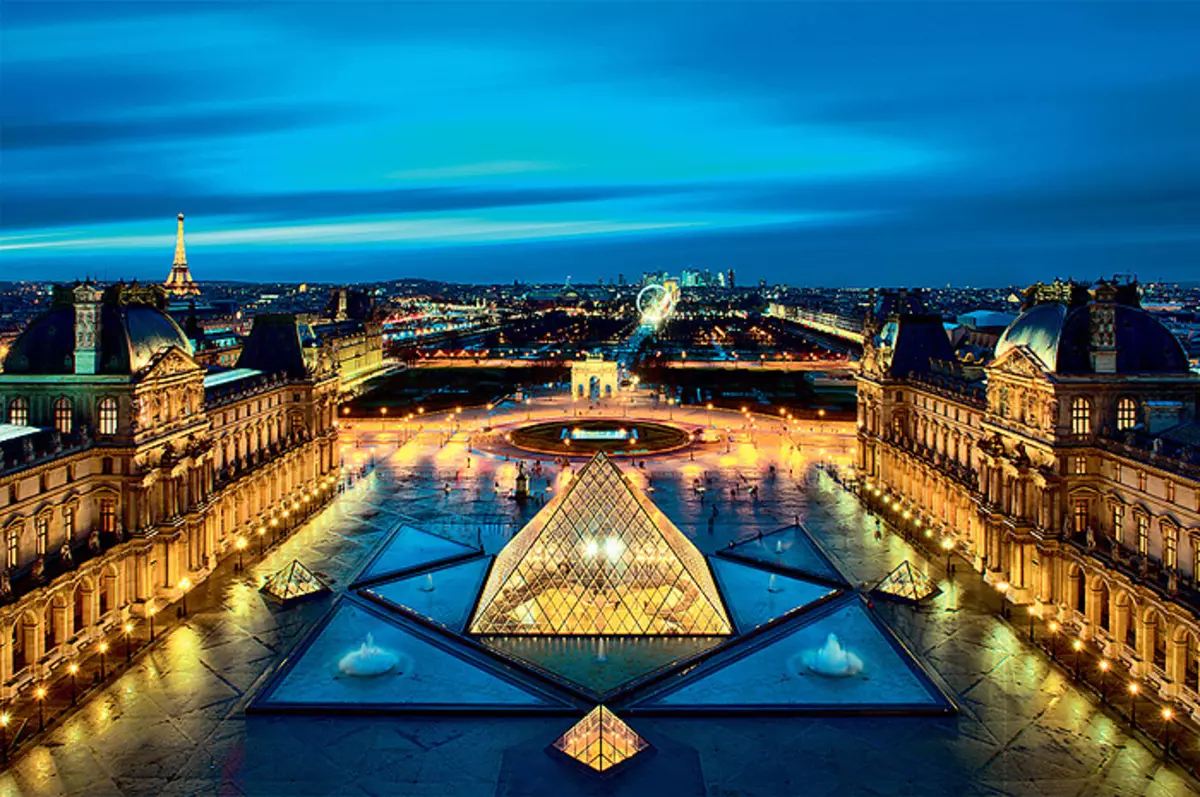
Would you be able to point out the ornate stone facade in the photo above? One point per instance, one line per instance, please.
(117, 490)
(1068, 473)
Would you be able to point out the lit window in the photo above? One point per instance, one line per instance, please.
(1143, 534)
(14, 539)
(1080, 465)
(1126, 414)
(1170, 547)
(108, 416)
(69, 523)
(18, 411)
(1081, 416)
(63, 416)
(1118, 521)
(108, 515)
(41, 526)
(1081, 516)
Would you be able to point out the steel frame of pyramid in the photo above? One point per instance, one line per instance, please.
(600, 559)
(293, 581)
(906, 582)
(601, 740)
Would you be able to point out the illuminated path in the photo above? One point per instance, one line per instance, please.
(175, 724)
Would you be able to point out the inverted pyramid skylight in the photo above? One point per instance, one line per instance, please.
(600, 740)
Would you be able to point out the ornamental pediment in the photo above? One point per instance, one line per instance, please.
(1020, 362)
(169, 362)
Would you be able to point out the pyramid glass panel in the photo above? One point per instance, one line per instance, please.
(600, 740)
(600, 559)
(907, 582)
(292, 581)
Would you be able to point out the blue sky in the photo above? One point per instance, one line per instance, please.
(810, 143)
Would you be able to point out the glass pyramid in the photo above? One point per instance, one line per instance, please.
(907, 582)
(600, 559)
(292, 581)
(601, 740)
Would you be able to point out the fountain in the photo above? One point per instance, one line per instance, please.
(832, 659)
(779, 546)
(428, 585)
(772, 586)
(368, 661)
(601, 653)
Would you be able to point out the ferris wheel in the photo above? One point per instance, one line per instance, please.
(654, 303)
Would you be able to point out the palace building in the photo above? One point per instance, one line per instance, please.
(1066, 467)
(127, 469)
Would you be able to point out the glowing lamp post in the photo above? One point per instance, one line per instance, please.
(4, 720)
(1032, 616)
(74, 670)
(184, 585)
(241, 546)
(261, 531)
(1077, 646)
(710, 421)
(150, 611)
(103, 652)
(1133, 693)
(1053, 639)
(1002, 588)
(1104, 668)
(40, 694)
(1167, 715)
(128, 647)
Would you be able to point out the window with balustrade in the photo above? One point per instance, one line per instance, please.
(1118, 522)
(1127, 415)
(108, 515)
(108, 416)
(1170, 546)
(1081, 416)
(18, 411)
(1143, 534)
(64, 415)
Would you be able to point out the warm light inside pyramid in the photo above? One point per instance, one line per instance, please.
(600, 740)
(600, 559)
(293, 581)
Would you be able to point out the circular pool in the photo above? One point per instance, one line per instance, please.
(582, 438)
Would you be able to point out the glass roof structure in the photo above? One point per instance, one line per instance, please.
(601, 740)
(600, 559)
(294, 580)
(907, 582)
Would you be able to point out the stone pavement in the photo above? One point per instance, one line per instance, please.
(175, 722)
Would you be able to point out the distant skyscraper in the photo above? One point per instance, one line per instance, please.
(179, 281)
(732, 282)
(620, 279)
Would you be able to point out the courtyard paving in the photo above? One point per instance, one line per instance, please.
(175, 723)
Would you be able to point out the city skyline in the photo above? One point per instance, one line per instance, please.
(801, 144)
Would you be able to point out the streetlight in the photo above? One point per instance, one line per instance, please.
(1077, 645)
(185, 584)
(128, 652)
(40, 694)
(103, 650)
(1133, 691)
(260, 531)
(1053, 639)
(1104, 667)
(710, 423)
(1167, 715)
(1032, 616)
(74, 670)
(241, 546)
(1002, 588)
(4, 720)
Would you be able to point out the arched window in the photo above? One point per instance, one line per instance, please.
(1127, 415)
(1081, 416)
(108, 416)
(63, 415)
(18, 411)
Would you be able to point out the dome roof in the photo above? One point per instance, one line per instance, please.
(130, 335)
(1060, 337)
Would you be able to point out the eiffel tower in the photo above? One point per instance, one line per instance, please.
(179, 281)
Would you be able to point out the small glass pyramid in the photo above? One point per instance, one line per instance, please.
(907, 582)
(601, 740)
(293, 581)
(600, 559)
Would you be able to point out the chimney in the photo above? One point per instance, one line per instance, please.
(87, 328)
(1102, 314)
